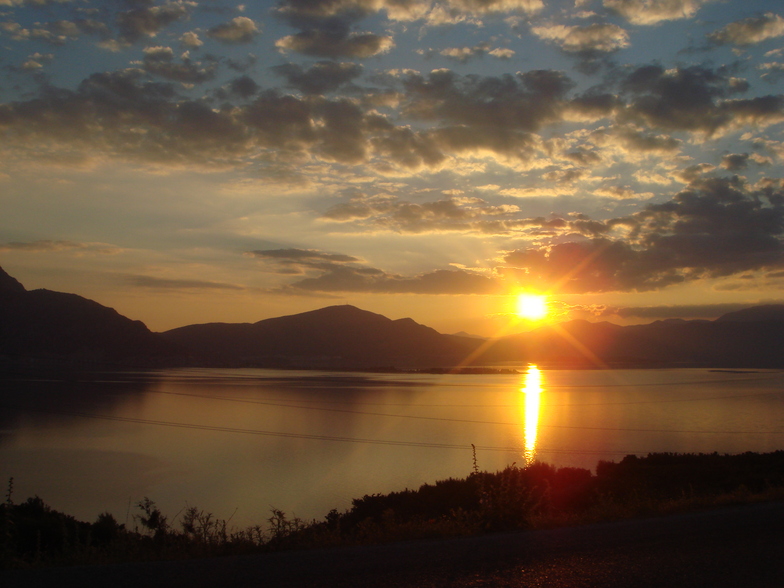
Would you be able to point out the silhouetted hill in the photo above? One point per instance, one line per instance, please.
(54, 327)
(751, 338)
(336, 336)
(9, 285)
(65, 329)
(767, 312)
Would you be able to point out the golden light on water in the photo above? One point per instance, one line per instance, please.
(532, 391)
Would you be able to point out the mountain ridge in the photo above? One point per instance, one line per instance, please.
(65, 329)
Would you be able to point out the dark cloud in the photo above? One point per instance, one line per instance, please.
(405, 148)
(640, 142)
(683, 99)
(442, 116)
(57, 32)
(498, 114)
(147, 21)
(318, 43)
(678, 311)
(320, 78)
(345, 279)
(523, 102)
(694, 99)
(326, 29)
(582, 156)
(332, 273)
(175, 284)
(47, 246)
(716, 227)
(121, 115)
(735, 161)
(303, 256)
(324, 14)
(244, 87)
(160, 61)
(445, 215)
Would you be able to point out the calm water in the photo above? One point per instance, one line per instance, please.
(238, 442)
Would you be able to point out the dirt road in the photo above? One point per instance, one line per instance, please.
(731, 547)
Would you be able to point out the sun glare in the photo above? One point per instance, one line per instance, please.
(531, 307)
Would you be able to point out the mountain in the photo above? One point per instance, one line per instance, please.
(42, 326)
(767, 312)
(751, 338)
(336, 336)
(53, 328)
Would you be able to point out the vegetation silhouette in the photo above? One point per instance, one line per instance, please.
(537, 495)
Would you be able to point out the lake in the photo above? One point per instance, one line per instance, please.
(239, 442)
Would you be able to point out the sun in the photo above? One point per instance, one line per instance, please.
(532, 307)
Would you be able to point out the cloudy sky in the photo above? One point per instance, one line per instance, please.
(195, 161)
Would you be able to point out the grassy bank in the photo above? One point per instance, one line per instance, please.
(536, 496)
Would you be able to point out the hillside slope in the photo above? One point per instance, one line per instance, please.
(66, 329)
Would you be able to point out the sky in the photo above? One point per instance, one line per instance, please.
(209, 161)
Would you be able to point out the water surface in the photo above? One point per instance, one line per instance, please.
(238, 442)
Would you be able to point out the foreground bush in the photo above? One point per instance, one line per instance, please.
(534, 496)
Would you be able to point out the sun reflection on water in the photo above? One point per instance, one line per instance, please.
(531, 390)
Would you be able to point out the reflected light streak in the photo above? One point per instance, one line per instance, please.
(532, 390)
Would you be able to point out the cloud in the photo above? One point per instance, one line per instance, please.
(586, 40)
(677, 311)
(326, 29)
(320, 78)
(716, 227)
(498, 115)
(694, 99)
(347, 279)
(332, 273)
(651, 12)
(774, 72)
(36, 61)
(160, 61)
(454, 214)
(628, 142)
(749, 31)
(243, 87)
(308, 13)
(441, 120)
(496, 6)
(32, 2)
(148, 21)
(55, 33)
(735, 161)
(523, 102)
(324, 44)
(305, 13)
(46, 246)
(238, 30)
(191, 40)
(120, 115)
(616, 192)
(465, 54)
(152, 282)
(310, 258)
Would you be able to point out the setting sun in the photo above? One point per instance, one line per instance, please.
(531, 307)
